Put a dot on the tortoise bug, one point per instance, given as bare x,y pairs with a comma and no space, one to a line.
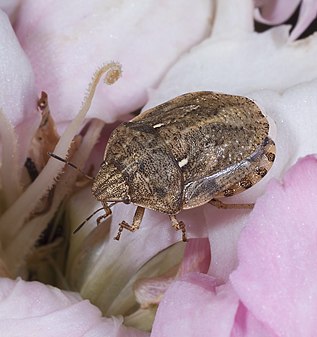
184,153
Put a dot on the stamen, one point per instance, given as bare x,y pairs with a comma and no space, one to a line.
112,71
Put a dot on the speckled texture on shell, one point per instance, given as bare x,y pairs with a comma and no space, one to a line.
186,151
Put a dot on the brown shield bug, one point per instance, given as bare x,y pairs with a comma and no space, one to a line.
182,154
185,153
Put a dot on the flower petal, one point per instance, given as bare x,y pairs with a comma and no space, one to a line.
33,309
307,13
246,325
67,42
240,64
277,274
275,12
10,7
149,291
192,306
196,257
18,96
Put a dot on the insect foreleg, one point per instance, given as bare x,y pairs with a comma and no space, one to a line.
137,219
107,213
179,225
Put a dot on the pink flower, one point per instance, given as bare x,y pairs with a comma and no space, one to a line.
63,45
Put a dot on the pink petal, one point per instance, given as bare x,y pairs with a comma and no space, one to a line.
67,42
193,306
150,290
18,96
275,12
307,13
224,227
33,309
246,325
277,275
10,7
196,256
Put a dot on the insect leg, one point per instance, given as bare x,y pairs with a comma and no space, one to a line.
219,204
107,213
137,219
179,225
104,207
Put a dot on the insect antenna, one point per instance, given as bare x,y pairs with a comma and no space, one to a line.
88,218
91,215
70,164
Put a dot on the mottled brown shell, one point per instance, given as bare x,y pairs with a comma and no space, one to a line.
184,152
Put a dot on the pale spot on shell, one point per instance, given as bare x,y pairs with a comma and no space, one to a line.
183,162
158,125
